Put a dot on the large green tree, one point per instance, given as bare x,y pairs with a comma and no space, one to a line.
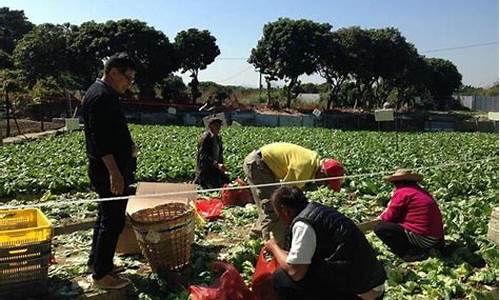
196,50
358,58
173,88
333,66
149,47
442,79
289,48
13,26
44,52
394,59
5,61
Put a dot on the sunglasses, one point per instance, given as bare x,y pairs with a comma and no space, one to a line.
128,77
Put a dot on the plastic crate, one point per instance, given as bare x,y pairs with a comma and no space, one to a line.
23,227
25,250
26,277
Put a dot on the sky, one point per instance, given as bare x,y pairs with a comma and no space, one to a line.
432,26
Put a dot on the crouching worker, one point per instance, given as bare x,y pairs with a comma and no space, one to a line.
329,256
284,162
412,224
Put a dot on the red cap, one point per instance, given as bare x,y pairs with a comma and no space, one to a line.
333,168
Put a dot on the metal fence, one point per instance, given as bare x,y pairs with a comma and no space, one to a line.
479,103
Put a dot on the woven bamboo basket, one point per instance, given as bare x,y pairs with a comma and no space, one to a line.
165,234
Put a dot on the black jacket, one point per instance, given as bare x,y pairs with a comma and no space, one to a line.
343,258
106,132
208,156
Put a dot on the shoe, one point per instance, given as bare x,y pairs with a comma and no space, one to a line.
116,269
111,282
412,256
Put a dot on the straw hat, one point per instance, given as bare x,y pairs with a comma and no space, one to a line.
215,120
404,175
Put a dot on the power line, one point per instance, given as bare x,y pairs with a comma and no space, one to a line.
236,74
231,58
424,51
462,47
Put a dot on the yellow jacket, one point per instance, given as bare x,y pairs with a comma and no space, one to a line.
290,162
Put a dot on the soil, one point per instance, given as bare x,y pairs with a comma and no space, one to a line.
26,126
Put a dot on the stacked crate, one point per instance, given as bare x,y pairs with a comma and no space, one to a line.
25,250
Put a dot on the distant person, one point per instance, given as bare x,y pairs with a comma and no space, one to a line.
210,169
329,256
112,162
412,223
284,162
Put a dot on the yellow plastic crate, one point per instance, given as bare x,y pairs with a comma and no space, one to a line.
23,227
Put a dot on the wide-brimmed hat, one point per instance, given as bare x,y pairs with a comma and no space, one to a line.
333,168
404,175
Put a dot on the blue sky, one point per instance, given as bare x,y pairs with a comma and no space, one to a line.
237,25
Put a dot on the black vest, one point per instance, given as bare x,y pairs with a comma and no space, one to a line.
343,257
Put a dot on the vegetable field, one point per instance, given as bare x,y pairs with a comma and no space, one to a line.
54,169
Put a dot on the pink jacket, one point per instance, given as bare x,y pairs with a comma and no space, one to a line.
415,209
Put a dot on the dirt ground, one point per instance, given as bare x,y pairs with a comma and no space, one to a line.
26,126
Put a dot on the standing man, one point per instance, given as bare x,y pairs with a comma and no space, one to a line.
284,162
112,162
329,256
210,169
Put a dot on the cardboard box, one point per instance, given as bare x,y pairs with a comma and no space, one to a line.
493,226
127,242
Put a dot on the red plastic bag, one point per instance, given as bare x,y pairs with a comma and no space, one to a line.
209,208
262,279
229,286
238,197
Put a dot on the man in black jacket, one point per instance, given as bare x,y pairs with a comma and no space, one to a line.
210,169
328,254
112,162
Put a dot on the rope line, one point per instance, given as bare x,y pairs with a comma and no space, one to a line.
131,197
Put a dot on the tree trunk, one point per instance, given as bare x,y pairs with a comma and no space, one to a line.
7,110
194,88
268,82
292,84
288,97
260,83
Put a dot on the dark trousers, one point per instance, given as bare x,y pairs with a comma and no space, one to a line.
394,236
107,228
309,288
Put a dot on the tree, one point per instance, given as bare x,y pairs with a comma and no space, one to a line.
150,48
196,49
5,60
395,59
13,26
88,43
359,59
44,92
492,90
442,79
288,49
11,84
173,88
333,66
410,83
43,52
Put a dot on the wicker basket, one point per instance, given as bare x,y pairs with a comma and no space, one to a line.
165,234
